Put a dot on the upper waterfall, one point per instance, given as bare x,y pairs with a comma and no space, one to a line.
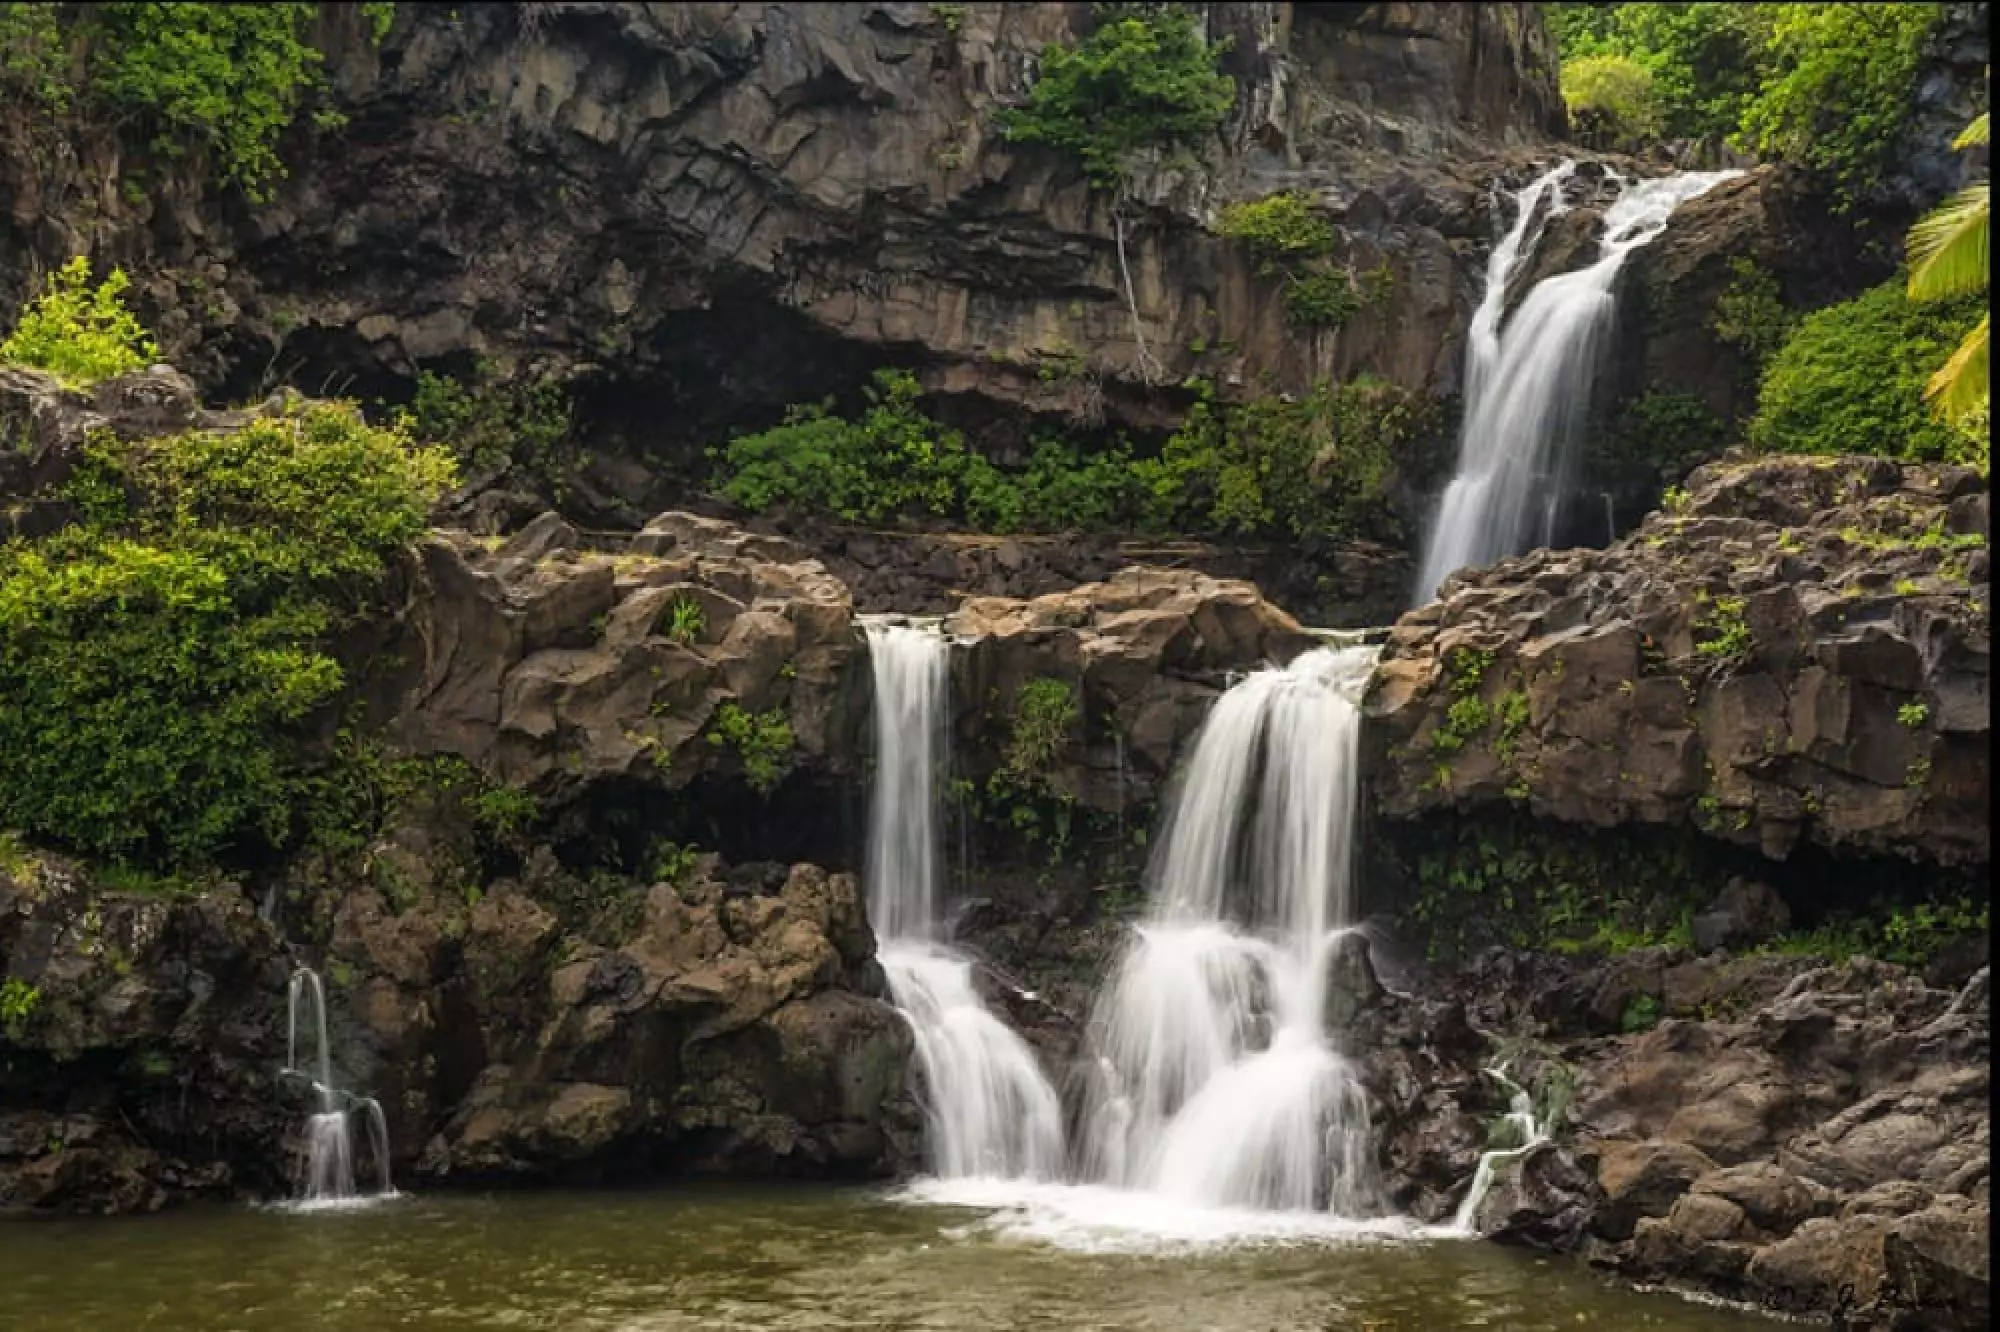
1528,386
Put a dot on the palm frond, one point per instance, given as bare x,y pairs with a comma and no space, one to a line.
1948,247
1961,384
1974,134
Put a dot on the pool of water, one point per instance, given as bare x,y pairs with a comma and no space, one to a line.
807,1259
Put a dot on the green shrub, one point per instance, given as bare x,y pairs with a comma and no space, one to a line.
1045,713
1750,313
18,1002
157,658
762,741
1141,80
78,332
1705,59
1850,379
1840,88
34,61
1278,227
489,424
1612,103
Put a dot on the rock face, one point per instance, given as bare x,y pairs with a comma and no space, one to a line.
1808,1137
140,1038
729,1026
1797,654
735,207
553,667
525,1028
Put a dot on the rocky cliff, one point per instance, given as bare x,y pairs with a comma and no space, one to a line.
699,213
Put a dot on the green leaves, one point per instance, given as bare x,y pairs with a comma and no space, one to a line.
156,658
78,332
1612,101
1851,380
1146,80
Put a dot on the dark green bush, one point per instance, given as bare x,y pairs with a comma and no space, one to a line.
1850,379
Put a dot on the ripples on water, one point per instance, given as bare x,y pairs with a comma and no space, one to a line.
963,1257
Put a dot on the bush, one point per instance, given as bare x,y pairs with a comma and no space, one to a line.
1851,379
1279,227
1705,59
1841,88
157,657
1141,80
488,424
1612,103
80,333
224,79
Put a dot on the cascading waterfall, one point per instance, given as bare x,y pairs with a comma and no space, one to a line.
327,1174
992,1112
1213,1080
1527,387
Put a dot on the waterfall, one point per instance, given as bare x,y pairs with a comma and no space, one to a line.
326,1174
1520,1124
1214,1082
991,1111
1527,387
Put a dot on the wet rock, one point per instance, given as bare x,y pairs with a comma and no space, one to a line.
1745,912
1643,1179
1544,1200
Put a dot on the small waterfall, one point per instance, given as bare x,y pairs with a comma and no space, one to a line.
1521,1125
1610,519
1527,387
992,1112
1213,1079
327,1172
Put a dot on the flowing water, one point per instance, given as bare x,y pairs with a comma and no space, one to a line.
750,1260
990,1110
1213,1084
1528,386
326,1169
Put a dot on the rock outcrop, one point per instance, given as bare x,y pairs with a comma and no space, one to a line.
728,208
1796,653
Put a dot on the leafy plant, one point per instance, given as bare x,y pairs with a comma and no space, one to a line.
1278,227
490,424
1913,714
80,333
685,620
1948,261
1850,379
1750,313
762,742
1611,101
673,862
1143,79
1840,83
18,1002
1045,713
157,659
1641,1013
1722,635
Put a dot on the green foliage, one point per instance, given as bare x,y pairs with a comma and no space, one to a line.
1469,883
1750,313
1949,258
1660,433
489,424
672,862
18,1002
1612,103
762,742
1722,635
1045,714
1907,934
1512,711
1913,714
1851,379
1143,79
1278,227
157,659
503,812
1464,720
1704,59
1839,89
1319,463
78,332
34,59
223,80
686,620
1642,1013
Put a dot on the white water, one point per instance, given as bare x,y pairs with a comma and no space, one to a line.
326,1172
1213,1082
1527,387
1523,1126
991,1111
